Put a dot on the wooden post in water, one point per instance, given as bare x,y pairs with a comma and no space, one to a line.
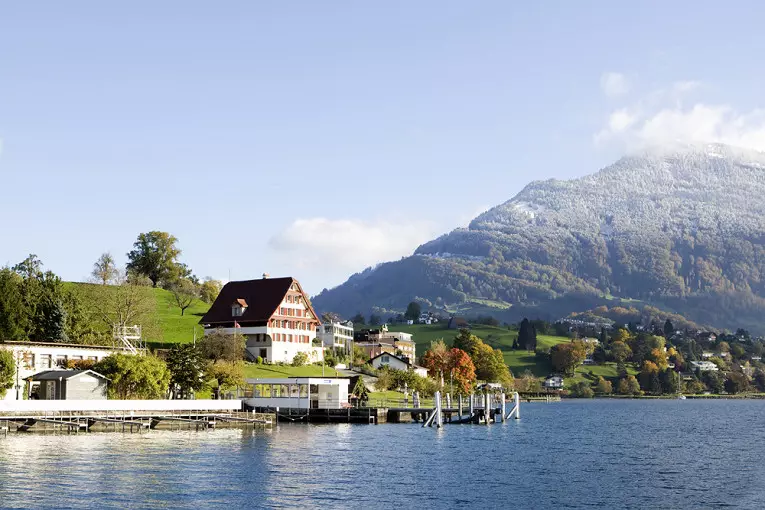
502,408
472,405
517,406
459,402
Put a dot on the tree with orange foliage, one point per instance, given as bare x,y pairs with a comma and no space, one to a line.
461,370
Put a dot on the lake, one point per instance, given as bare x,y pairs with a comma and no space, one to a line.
571,454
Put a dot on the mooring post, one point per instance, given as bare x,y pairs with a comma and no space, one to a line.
438,417
472,405
459,402
517,406
502,408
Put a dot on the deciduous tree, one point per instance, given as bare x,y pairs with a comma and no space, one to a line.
220,345
184,293
187,370
134,377
629,386
413,311
565,357
226,375
104,269
155,255
209,290
7,371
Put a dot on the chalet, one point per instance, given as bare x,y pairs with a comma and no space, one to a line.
273,314
553,382
385,359
704,366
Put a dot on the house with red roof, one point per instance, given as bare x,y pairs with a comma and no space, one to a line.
274,315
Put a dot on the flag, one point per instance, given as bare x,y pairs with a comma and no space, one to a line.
236,325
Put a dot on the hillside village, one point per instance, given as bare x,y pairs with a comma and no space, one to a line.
190,337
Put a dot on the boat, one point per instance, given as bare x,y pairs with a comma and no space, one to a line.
681,397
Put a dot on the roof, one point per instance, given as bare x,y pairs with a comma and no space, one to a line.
398,358
55,375
262,296
241,302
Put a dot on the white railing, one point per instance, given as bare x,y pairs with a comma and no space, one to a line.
119,405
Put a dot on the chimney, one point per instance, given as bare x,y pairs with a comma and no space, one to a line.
265,276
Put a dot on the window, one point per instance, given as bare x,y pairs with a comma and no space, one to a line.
236,311
46,361
303,391
60,359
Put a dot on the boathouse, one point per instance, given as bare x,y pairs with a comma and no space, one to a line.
297,393
68,385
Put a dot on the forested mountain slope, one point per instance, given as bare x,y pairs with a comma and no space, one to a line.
679,228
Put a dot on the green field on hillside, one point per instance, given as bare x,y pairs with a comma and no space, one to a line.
251,370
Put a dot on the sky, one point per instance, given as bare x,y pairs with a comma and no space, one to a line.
314,139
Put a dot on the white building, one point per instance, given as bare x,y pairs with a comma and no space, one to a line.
385,359
34,357
297,393
554,382
337,335
273,314
704,366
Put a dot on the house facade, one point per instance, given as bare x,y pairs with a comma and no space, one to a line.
337,335
377,341
392,361
273,314
553,382
34,357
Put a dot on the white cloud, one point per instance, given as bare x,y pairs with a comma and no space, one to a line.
338,248
614,84
663,117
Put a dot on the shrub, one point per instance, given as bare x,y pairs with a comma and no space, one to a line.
300,359
259,360
581,390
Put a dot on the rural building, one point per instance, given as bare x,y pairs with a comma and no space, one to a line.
704,366
553,382
34,357
337,335
397,363
273,314
68,385
377,341
297,393
458,323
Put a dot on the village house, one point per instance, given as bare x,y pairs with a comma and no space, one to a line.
336,335
377,341
704,366
68,385
553,382
397,363
273,314
34,357
458,323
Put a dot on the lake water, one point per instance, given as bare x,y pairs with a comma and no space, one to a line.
574,454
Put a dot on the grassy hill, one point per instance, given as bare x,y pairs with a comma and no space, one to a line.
162,323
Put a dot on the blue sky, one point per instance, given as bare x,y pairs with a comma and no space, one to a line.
313,139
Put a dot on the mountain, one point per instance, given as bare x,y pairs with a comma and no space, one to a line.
679,228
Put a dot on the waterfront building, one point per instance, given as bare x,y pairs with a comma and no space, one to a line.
273,314
381,340
553,382
336,335
68,385
386,359
34,357
297,393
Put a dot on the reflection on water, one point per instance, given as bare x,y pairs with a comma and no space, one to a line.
679,454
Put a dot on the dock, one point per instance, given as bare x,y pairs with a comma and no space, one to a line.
134,416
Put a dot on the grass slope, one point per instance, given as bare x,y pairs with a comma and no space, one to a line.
254,371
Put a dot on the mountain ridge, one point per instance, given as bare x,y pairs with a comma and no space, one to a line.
671,227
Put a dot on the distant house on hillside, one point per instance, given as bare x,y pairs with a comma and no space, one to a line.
397,363
458,323
273,314
553,382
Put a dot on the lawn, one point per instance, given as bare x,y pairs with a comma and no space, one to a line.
177,328
253,371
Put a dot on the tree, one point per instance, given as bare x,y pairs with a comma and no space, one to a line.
300,359
374,320
155,255
669,329
7,371
629,386
187,370
581,389
466,341
413,311
490,364
714,381
649,378
436,359
104,269
603,387
358,319
461,370
220,345
759,380
565,357
736,382
670,381
360,390
125,304
184,293
13,316
225,375
525,335
134,377
53,323
330,317
209,290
